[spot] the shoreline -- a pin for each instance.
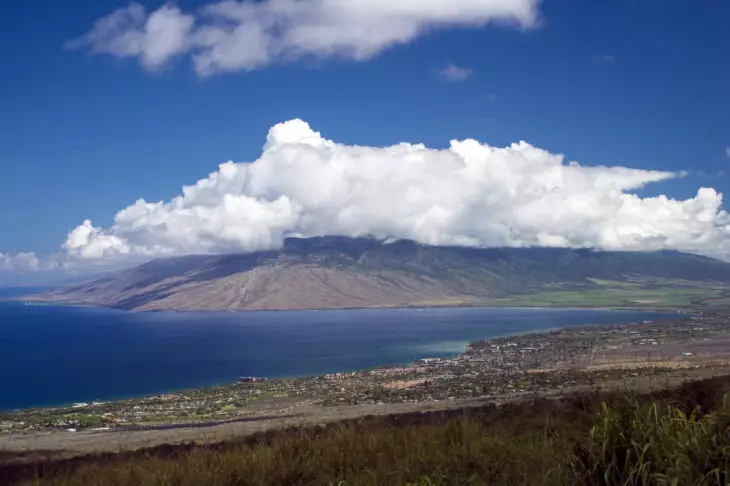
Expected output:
(551, 364)
(476, 305)
(468, 344)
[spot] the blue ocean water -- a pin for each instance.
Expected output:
(58, 355)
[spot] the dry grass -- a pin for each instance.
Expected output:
(679, 436)
(459, 452)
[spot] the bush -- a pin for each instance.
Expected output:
(639, 444)
(465, 451)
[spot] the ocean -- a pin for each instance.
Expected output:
(51, 355)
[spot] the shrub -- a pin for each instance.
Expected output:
(654, 444)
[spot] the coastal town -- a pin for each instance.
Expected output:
(642, 354)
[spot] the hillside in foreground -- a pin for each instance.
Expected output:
(339, 272)
(523, 409)
(674, 436)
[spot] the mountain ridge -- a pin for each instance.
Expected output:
(333, 272)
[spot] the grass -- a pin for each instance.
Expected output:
(655, 294)
(451, 452)
(615, 283)
(639, 444)
(679, 436)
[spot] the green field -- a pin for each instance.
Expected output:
(650, 294)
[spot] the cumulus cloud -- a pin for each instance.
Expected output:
(470, 194)
(454, 73)
(243, 35)
(90, 243)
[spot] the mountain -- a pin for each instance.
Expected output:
(339, 272)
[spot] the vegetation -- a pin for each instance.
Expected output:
(652, 293)
(678, 436)
(637, 444)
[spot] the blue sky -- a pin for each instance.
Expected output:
(636, 83)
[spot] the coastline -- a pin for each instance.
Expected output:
(37, 300)
(535, 333)
(550, 364)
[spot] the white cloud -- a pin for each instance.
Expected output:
(19, 262)
(90, 243)
(454, 73)
(130, 32)
(471, 194)
(240, 36)
(727, 152)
